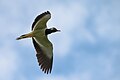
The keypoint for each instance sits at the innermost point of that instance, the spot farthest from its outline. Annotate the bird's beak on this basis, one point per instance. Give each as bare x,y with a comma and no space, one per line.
58,30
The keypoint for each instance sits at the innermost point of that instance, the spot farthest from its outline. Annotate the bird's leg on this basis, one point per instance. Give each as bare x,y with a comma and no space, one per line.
25,36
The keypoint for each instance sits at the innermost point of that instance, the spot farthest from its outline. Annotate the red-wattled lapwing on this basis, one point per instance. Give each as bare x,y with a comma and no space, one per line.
43,46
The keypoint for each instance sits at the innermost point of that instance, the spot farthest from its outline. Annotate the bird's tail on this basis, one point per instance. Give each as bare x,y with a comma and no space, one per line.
25,36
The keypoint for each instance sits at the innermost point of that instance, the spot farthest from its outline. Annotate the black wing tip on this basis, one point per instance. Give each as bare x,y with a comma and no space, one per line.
45,63
46,70
44,13
48,12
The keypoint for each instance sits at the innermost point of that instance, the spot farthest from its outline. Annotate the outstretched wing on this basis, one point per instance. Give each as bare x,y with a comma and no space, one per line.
41,20
44,54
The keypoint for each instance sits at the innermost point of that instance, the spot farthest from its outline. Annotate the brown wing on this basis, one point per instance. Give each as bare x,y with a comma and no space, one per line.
43,60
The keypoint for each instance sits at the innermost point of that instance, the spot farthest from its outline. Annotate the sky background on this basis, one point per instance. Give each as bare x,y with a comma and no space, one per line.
87,48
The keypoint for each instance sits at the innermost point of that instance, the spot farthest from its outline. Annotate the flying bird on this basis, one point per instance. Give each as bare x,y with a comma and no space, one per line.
43,47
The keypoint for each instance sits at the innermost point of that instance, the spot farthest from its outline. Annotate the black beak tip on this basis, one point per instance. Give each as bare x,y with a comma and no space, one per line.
58,30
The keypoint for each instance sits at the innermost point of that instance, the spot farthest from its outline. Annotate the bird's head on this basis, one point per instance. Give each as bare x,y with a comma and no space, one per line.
51,30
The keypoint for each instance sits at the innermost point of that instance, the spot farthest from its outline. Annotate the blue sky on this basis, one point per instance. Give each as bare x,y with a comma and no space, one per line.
87,48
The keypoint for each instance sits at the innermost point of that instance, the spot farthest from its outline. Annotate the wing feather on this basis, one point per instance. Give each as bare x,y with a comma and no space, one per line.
44,61
41,20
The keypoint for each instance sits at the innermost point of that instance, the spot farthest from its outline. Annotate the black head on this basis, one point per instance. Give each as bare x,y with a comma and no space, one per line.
54,30
51,30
